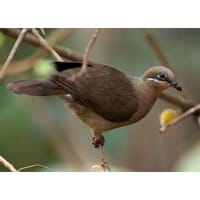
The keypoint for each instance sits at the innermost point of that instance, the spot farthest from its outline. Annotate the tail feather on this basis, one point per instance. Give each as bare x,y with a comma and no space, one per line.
35,88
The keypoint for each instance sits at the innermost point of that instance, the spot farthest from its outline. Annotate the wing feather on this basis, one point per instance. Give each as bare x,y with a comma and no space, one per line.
104,89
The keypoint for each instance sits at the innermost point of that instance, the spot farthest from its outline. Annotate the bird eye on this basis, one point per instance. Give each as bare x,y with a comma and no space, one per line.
162,76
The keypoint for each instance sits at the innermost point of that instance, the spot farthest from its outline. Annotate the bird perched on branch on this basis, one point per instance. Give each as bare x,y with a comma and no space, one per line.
103,97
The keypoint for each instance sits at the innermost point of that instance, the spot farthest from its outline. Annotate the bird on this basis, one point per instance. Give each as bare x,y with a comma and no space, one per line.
104,97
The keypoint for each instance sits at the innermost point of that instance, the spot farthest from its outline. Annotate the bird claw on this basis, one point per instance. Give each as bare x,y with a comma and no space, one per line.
98,140
105,167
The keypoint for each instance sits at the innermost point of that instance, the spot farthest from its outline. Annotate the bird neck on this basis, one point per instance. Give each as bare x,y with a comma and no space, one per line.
145,87
146,93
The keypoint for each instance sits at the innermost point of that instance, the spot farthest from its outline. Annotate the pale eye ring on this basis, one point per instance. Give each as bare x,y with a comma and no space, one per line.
162,76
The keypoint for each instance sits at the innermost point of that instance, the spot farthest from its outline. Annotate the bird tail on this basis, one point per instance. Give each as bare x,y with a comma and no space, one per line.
35,88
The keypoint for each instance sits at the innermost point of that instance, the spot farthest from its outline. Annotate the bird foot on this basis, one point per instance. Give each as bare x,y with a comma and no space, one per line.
105,166
98,141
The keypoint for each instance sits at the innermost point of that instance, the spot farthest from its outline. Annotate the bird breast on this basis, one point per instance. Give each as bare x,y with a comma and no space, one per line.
99,124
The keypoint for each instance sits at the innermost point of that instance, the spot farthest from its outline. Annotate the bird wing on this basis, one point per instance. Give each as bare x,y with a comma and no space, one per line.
62,66
104,89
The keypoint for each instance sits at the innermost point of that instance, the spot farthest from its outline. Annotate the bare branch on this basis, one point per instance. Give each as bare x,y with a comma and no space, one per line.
87,51
7,164
189,112
32,166
21,66
64,52
12,53
156,47
45,44
11,168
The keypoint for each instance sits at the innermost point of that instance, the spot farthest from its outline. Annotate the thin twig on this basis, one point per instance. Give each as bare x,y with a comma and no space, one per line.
156,47
21,66
32,166
87,51
45,44
7,164
12,52
189,112
64,52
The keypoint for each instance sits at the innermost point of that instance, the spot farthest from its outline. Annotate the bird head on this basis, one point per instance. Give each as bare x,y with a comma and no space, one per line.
161,78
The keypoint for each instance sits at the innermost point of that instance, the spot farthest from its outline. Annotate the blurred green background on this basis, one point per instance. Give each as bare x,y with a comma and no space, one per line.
39,130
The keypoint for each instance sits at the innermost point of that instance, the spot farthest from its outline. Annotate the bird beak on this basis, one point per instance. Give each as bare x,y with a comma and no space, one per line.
175,85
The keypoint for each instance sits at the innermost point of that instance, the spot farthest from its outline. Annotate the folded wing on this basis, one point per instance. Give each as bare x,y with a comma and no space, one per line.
104,89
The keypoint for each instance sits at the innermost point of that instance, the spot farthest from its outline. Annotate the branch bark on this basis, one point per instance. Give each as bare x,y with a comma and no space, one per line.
46,45
156,47
65,53
12,52
21,66
189,112
7,164
87,52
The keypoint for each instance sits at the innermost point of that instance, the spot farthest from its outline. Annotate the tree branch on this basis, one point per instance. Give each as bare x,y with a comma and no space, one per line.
21,66
32,166
7,164
87,52
156,47
45,45
189,112
12,52
64,52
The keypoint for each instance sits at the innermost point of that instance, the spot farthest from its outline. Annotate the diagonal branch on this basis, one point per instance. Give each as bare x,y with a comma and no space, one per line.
7,164
64,52
12,52
45,45
189,112
156,47
21,66
87,51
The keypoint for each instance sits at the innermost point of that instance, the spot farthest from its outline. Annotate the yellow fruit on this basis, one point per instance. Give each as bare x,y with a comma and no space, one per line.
168,115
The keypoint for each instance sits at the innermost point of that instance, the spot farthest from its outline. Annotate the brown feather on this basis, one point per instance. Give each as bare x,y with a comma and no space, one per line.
105,90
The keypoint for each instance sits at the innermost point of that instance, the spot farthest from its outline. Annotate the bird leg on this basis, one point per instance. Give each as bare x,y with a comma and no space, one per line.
98,142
